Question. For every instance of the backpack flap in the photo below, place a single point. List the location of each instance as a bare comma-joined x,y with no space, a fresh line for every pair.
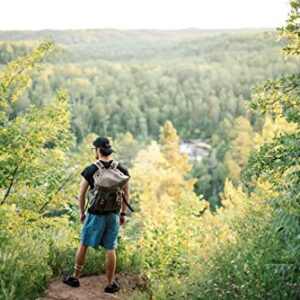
109,177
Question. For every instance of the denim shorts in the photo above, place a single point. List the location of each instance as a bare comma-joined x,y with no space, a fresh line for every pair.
101,230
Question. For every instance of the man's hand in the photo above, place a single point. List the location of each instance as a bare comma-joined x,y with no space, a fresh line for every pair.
82,218
122,219
124,209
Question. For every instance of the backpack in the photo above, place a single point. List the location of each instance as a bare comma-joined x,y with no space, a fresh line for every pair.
107,194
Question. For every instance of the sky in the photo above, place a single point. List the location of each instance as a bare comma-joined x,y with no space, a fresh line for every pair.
142,14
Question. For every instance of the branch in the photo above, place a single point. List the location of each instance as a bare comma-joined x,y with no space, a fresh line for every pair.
293,87
11,184
56,192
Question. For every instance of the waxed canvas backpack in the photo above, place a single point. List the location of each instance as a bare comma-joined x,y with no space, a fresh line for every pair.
107,194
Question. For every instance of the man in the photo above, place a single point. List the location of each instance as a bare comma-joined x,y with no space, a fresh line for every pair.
99,229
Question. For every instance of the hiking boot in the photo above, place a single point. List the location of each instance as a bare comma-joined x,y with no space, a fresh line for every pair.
112,288
71,281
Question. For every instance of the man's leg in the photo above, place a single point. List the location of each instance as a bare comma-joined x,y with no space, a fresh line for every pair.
110,264
80,259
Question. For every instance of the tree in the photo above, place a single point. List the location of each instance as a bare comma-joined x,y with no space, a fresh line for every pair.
170,148
278,160
240,146
33,146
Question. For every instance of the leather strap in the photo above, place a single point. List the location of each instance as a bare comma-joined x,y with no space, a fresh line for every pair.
99,164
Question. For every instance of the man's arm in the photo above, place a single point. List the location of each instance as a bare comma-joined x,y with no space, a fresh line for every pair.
81,198
127,197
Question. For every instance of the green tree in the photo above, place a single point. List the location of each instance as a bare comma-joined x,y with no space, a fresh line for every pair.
278,161
32,146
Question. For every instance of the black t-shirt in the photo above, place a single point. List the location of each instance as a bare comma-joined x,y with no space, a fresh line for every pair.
89,171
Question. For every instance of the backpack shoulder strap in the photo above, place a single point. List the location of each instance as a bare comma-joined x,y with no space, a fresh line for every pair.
114,164
99,164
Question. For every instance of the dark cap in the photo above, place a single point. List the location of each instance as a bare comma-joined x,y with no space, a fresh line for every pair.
104,144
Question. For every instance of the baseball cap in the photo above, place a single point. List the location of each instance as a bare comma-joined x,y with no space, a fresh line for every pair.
104,144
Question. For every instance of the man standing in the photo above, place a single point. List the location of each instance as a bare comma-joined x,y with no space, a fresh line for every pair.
99,229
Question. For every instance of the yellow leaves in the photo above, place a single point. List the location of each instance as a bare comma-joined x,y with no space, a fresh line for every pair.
35,146
19,92
239,148
168,135
158,184
16,79
46,73
272,128
150,159
71,70
129,139
172,235
81,82
170,149
233,197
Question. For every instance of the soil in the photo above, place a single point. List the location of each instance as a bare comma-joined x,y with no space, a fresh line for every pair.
92,288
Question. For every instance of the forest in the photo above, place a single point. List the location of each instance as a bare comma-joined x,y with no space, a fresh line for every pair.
224,227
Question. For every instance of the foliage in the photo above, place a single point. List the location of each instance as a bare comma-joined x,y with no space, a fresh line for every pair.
15,78
246,248
194,78
34,164
242,142
127,148
278,160
158,232
198,79
252,249
291,30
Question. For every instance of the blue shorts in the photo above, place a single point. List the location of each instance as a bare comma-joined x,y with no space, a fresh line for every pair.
101,230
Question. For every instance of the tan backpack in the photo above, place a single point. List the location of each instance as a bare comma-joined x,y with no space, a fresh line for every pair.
107,193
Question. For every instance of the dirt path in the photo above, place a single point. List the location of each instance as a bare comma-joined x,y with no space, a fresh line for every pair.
91,288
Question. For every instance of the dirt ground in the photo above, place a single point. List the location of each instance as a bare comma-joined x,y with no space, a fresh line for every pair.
92,288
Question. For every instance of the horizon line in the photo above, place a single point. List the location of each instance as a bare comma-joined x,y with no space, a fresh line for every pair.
141,29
